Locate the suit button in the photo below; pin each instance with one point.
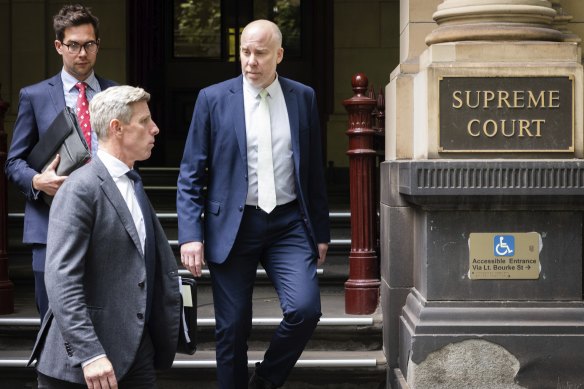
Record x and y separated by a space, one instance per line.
240 208
140 316
141 284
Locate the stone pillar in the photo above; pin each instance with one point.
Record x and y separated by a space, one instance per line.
500 20
482 202
396 259
561 21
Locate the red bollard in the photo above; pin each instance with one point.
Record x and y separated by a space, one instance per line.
362 287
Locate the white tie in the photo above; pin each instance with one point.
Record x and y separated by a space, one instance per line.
266 185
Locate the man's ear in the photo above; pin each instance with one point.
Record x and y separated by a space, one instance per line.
59 46
280 55
115 128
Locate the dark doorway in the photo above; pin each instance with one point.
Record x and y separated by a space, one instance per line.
177 47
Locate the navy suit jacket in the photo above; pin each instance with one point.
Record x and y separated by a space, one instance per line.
39 104
215 157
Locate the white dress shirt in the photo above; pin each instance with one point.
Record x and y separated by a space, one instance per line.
281 142
71 93
117 170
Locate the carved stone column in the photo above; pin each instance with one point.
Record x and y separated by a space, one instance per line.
437 199
561 21
495 20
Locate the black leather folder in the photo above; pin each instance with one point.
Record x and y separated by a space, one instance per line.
187 340
65 138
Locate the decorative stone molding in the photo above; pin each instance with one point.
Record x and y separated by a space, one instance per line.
472 184
508 20
485 177
561 21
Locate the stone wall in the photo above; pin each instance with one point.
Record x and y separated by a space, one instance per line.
366 39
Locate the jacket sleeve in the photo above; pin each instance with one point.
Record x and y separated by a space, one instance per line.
319 211
70 226
192 177
25 137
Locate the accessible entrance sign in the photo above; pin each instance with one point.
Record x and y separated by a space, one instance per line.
504 256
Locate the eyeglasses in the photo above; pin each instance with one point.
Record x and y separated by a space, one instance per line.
75 48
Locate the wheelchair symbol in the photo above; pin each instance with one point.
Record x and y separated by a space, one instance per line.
504 245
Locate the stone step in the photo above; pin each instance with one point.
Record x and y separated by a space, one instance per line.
331 334
314 369
206 359
340 221
335 331
161 184
345 351
335 269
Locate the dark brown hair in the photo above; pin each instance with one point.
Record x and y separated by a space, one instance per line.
71 16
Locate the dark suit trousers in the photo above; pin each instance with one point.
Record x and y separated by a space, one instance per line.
140 376
39 253
281 243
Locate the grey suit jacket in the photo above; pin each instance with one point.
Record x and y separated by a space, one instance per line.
95 278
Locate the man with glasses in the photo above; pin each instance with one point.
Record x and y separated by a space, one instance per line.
77 42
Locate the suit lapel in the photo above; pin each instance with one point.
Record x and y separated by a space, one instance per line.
112 193
103 83
236 101
292 108
55 87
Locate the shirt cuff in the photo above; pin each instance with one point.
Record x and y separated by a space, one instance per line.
35 193
92 360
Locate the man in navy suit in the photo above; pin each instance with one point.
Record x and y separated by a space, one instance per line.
77 42
219 177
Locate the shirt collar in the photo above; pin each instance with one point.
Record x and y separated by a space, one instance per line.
114 166
254 91
69 81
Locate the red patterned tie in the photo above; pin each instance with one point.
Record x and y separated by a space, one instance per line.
83 113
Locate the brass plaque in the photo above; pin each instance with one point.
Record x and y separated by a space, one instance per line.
506 114
504 256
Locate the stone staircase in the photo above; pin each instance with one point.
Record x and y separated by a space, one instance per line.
345 351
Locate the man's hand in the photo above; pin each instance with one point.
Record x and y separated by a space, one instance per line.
322 249
48 181
99 374
192 256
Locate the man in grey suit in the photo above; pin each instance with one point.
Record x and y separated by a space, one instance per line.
111 276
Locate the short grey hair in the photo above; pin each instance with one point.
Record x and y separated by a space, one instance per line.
114 103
